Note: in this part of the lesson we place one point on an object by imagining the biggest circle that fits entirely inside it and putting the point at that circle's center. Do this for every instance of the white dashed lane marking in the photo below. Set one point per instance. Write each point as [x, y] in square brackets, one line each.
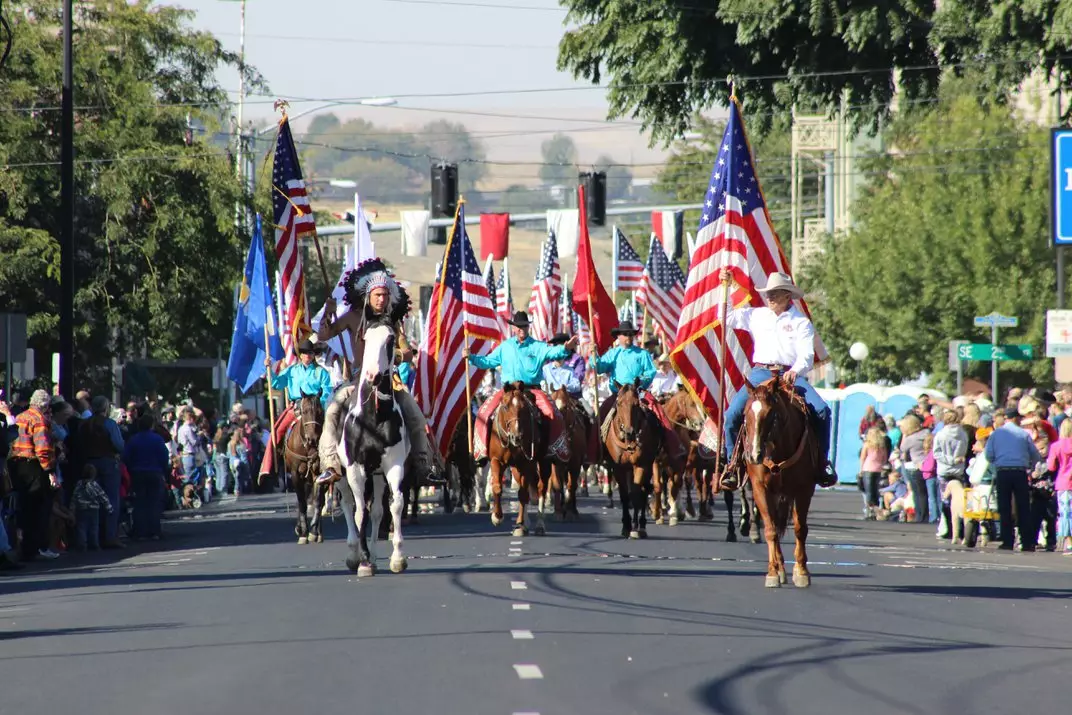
[522, 606]
[518, 585]
[521, 635]
[529, 672]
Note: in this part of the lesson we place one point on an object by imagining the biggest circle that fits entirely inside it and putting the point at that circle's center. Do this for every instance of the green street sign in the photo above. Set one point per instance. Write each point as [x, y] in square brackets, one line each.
[985, 352]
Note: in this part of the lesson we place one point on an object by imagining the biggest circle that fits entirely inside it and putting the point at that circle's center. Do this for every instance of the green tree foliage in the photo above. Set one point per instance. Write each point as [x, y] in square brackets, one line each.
[560, 160]
[619, 177]
[156, 249]
[664, 59]
[954, 224]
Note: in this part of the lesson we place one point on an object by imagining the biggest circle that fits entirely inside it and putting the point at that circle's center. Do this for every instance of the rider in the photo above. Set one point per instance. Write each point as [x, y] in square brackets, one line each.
[304, 377]
[521, 359]
[558, 374]
[784, 340]
[628, 364]
[375, 298]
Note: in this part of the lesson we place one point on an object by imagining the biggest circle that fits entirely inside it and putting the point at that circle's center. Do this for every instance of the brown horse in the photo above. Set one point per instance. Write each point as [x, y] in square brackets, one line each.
[301, 458]
[518, 439]
[781, 455]
[567, 476]
[632, 442]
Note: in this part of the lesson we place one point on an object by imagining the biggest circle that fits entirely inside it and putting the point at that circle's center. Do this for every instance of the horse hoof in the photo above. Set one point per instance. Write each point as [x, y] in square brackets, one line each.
[540, 530]
[660, 521]
[625, 532]
[319, 538]
[496, 520]
[783, 577]
[643, 533]
[773, 582]
[706, 517]
[399, 565]
[352, 564]
[634, 534]
[520, 531]
[801, 580]
[365, 570]
[673, 521]
[302, 540]
[754, 539]
[731, 538]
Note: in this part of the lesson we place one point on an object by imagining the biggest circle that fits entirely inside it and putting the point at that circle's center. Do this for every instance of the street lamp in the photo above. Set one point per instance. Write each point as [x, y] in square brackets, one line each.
[858, 352]
[368, 102]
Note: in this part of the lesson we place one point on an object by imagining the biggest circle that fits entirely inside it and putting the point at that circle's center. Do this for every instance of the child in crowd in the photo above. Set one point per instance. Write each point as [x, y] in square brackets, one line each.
[929, 467]
[893, 497]
[88, 499]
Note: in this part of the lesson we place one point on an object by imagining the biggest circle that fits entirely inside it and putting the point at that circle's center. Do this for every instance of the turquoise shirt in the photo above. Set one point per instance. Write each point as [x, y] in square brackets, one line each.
[520, 362]
[625, 365]
[300, 380]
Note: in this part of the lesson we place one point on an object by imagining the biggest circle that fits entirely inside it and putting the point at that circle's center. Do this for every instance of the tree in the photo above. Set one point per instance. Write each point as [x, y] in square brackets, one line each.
[157, 254]
[619, 177]
[452, 142]
[665, 60]
[952, 225]
[560, 160]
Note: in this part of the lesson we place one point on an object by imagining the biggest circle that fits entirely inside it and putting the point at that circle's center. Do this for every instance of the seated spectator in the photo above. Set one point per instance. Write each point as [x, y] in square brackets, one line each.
[893, 497]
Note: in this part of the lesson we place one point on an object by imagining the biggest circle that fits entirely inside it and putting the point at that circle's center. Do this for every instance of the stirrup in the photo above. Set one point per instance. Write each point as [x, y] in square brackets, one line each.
[827, 478]
[729, 480]
[328, 477]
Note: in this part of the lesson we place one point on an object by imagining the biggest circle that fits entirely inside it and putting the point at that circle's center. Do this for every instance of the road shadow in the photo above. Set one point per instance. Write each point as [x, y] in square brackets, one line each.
[86, 630]
[1013, 593]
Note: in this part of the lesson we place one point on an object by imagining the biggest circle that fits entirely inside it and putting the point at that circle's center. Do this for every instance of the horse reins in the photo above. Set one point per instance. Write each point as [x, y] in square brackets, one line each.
[776, 467]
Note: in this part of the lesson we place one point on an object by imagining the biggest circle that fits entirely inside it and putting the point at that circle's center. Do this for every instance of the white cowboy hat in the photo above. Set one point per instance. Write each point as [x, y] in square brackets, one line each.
[781, 281]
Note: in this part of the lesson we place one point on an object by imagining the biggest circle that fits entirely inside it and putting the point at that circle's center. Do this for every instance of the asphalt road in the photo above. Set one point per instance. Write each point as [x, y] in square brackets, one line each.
[229, 615]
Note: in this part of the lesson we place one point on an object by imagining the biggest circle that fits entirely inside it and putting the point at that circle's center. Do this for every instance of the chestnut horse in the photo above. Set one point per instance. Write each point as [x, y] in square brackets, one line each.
[301, 458]
[781, 454]
[632, 442]
[518, 439]
[567, 476]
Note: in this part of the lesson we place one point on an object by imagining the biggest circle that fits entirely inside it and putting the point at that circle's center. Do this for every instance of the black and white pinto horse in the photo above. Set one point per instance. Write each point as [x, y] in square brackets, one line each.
[373, 435]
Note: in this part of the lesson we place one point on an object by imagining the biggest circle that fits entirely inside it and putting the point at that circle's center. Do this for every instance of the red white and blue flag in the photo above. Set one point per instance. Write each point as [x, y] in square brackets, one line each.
[662, 292]
[628, 268]
[546, 292]
[461, 311]
[293, 219]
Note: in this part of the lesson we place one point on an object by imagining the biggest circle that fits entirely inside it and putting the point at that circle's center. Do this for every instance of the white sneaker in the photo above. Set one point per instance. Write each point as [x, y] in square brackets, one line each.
[47, 554]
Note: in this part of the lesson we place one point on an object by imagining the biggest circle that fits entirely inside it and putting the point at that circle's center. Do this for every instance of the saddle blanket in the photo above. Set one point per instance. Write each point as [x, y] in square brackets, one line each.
[709, 440]
[558, 447]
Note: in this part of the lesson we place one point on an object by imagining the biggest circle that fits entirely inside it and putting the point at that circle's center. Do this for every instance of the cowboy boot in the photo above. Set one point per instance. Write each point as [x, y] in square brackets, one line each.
[730, 478]
[827, 476]
[330, 476]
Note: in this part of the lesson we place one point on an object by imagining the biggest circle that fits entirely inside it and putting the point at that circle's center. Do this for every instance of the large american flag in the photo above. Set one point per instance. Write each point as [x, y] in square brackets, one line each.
[736, 232]
[461, 310]
[489, 281]
[504, 302]
[286, 338]
[293, 220]
[546, 291]
[628, 268]
[662, 291]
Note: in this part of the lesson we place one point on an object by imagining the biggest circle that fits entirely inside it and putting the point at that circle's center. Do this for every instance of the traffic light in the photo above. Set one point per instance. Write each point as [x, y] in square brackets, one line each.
[444, 196]
[595, 189]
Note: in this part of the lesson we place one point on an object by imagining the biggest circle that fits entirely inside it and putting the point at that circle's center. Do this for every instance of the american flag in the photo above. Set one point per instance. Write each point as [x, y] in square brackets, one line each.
[285, 337]
[628, 268]
[489, 281]
[580, 329]
[504, 302]
[662, 291]
[736, 232]
[565, 313]
[546, 291]
[293, 220]
[461, 311]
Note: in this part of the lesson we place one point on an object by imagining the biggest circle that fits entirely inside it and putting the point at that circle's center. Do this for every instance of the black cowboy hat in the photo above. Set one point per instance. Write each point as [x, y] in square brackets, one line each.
[308, 346]
[560, 339]
[624, 328]
[651, 341]
[520, 320]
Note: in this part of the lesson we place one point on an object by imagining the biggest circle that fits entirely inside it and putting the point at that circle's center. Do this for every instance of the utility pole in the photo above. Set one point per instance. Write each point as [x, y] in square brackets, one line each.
[66, 382]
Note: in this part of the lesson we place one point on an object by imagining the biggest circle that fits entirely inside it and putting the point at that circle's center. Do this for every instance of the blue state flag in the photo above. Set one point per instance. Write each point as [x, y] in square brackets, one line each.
[253, 317]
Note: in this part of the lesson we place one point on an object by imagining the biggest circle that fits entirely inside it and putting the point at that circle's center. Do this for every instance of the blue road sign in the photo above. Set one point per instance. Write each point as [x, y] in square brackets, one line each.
[997, 319]
[1061, 186]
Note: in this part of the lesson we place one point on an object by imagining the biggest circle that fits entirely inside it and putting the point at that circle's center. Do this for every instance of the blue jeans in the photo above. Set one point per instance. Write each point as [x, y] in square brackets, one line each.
[819, 409]
[87, 522]
[148, 503]
[194, 475]
[223, 472]
[109, 479]
[934, 500]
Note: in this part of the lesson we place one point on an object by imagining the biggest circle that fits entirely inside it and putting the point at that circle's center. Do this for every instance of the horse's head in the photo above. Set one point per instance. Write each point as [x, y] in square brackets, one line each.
[764, 415]
[562, 399]
[683, 409]
[312, 420]
[379, 351]
[628, 416]
[515, 420]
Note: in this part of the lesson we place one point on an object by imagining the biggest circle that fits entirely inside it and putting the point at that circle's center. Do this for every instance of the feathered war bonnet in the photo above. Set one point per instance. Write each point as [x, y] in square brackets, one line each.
[368, 276]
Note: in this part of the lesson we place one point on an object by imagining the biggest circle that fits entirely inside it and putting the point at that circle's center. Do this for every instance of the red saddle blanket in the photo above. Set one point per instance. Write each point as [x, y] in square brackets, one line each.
[558, 447]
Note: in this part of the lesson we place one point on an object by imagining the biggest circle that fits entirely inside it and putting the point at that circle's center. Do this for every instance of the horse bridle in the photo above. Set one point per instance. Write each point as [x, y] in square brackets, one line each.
[509, 439]
[776, 467]
[629, 445]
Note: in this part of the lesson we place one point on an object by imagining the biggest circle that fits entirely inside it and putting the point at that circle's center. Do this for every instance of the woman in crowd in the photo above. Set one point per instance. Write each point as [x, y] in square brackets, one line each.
[912, 454]
[874, 458]
[1060, 463]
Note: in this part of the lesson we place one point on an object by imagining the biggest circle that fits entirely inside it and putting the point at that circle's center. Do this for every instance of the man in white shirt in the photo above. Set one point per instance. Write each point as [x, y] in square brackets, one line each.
[783, 339]
[666, 381]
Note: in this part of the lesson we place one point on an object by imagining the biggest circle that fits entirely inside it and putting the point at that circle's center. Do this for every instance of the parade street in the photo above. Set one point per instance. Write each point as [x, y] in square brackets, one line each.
[229, 615]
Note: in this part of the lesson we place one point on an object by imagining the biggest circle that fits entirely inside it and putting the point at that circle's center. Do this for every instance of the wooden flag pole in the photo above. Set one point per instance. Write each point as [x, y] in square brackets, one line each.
[468, 391]
[595, 348]
[268, 381]
[725, 301]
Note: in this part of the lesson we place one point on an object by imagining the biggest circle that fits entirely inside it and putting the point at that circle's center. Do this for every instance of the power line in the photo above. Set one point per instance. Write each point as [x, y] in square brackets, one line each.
[404, 43]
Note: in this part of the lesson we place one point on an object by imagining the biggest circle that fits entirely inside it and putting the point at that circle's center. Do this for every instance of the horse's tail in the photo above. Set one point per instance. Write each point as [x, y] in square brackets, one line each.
[781, 514]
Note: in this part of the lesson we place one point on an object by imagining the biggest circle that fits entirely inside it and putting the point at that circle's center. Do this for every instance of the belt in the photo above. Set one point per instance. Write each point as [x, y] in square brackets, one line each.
[769, 366]
[1011, 469]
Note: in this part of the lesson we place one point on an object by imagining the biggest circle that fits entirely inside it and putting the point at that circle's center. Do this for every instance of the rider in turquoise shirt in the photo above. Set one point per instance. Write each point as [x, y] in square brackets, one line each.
[521, 358]
[304, 378]
[626, 363]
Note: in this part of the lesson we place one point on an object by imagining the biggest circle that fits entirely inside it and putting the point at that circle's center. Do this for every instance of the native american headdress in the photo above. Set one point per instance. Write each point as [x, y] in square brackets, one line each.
[372, 274]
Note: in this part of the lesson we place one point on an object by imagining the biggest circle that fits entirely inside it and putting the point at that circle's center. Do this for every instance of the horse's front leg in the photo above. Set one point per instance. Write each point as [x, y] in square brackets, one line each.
[546, 489]
[302, 527]
[573, 477]
[394, 460]
[638, 496]
[495, 481]
[657, 477]
[622, 476]
[526, 491]
[379, 484]
[358, 561]
[801, 504]
[731, 531]
[773, 579]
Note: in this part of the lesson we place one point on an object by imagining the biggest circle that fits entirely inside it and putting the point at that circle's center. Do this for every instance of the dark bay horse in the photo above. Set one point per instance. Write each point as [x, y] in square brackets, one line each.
[518, 440]
[567, 476]
[781, 455]
[632, 442]
[301, 458]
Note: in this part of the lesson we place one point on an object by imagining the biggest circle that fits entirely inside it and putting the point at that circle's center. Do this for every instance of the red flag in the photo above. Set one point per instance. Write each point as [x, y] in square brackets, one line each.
[494, 236]
[590, 298]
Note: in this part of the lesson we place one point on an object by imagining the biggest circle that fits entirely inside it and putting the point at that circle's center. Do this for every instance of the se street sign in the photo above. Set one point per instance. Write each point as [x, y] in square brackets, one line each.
[985, 352]
[1061, 186]
[996, 320]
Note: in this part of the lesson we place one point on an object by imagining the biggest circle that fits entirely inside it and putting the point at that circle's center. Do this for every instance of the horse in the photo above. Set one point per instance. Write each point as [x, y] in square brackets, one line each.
[518, 440]
[374, 441]
[567, 476]
[460, 462]
[632, 443]
[301, 458]
[781, 455]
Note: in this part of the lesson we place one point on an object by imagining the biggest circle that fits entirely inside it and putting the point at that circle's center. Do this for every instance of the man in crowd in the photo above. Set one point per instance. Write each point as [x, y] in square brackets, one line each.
[1012, 453]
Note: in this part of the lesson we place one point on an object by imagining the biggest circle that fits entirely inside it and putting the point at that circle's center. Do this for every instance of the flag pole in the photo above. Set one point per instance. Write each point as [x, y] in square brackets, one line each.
[268, 381]
[725, 302]
[595, 345]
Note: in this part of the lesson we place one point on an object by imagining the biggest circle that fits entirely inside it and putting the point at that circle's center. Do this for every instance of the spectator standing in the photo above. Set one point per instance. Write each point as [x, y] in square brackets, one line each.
[103, 445]
[33, 476]
[146, 458]
[1060, 463]
[189, 442]
[951, 455]
[912, 454]
[929, 468]
[870, 419]
[874, 457]
[1013, 454]
[88, 500]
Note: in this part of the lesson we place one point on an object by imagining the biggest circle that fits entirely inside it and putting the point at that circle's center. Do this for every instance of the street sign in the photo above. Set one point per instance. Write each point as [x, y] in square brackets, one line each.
[1061, 186]
[996, 320]
[986, 352]
[1058, 333]
[954, 354]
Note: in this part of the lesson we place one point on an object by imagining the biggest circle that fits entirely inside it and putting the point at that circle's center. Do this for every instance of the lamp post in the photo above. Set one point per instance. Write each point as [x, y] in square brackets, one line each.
[858, 352]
